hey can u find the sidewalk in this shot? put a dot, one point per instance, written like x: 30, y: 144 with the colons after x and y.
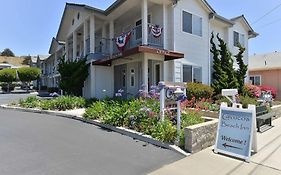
x: 266, y: 161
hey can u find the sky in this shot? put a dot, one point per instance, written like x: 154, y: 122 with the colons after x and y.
x: 27, y: 26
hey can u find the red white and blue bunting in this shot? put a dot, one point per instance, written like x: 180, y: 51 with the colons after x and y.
x: 122, y: 40
x: 156, y: 30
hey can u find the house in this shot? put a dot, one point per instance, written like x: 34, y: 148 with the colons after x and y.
x: 136, y: 43
x: 265, y: 69
x: 39, y: 62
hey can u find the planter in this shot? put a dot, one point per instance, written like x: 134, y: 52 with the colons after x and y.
x: 201, y: 136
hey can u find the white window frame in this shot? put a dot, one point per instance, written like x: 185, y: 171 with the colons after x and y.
x: 255, y: 76
x: 240, y: 41
x: 192, y: 14
x: 192, y: 72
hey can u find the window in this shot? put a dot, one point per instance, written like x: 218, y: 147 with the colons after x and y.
x: 255, y: 80
x: 78, y: 16
x: 238, y: 38
x: 157, y: 73
x: 191, y: 24
x: 132, y: 78
x: 192, y: 74
x: 139, y: 27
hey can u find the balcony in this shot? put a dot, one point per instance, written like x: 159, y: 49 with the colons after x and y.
x: 102, y: 45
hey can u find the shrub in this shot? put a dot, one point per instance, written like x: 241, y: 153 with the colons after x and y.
x: 189, y: 118
x: 198, y: 91
x: 252, y: 91
x: 7, y: 75
x: 246, y: 100
x: 164, y: 131
x: 273, y: 90
x: 96, y: 110
x: 29, y: 102
x: 68, y: 102
x: 6, y: 87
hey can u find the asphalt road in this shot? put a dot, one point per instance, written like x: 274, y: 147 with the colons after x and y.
x: 36, y: 144
x: 8, y: 98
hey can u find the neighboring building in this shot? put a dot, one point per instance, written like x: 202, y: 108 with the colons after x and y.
x: 142, y: 42
x: 38, y: 61
x: 265, y: 69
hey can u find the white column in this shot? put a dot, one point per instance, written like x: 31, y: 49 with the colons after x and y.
x: 145, y: 73
x: 92, y: 34
x: 66, y: 49
x: 111, y: 36
x: 103, y: 40
x: 165, y: 26
x: 74, y: 45
x: 144, y: 22
x: 85, y: 37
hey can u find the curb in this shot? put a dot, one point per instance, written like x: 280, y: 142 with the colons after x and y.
x: 121, y: 130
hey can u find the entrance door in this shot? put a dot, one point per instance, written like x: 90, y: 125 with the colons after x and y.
x: 120, y: 78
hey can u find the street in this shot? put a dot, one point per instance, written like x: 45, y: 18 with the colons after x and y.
x: 32, y: 144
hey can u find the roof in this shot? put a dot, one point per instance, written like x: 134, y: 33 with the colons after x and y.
x: 251, y: 33
x: 265, y: 61
x: 41, y: 57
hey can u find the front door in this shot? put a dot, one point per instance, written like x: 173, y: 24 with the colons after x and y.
x: 120, y: 79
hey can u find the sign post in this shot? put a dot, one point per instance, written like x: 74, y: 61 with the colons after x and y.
x: 236, y: 135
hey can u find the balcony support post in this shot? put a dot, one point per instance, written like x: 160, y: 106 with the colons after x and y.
x: 144, y: 13
x: 103, y: 39
x: 85, y: 28
x: 74, y: 54
x: 111, y: 35
x: 92, y: 34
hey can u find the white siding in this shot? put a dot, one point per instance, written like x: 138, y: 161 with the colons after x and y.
x: 195, y: 48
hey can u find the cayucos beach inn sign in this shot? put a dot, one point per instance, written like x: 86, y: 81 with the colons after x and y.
x: 236, y: 131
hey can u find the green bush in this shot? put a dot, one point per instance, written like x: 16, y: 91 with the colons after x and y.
x: 7, y: 76
x: 199, y: 90
x: 190, y: 118
x: 246, y: 100
x: 96, y: 110
x: 29, y: 102
x: 164, y: 131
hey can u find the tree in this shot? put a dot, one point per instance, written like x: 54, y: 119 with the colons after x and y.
x: 7, y: 52
x: 73, y: 75
x: 224, y: 76
x: 28, y: 74
x: 8, y: 76
x: 242, y: 71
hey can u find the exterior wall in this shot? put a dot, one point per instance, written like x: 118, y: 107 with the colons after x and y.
x: 270, y: 78
x: 195, y: 48
x: 103, y: 78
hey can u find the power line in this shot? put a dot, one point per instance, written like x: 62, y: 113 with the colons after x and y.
x: 270, y: 23
x: 272, y: 10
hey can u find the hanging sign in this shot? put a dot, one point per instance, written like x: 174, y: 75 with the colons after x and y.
x: 236, y: 131
x: 122, y: 40
x: 156, y: 30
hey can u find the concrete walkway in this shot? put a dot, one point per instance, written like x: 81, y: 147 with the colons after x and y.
x: 266, y: 161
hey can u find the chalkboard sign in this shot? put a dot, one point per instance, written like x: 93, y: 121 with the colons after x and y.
x: 235, y: 131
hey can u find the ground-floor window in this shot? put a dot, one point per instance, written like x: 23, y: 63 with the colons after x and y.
x: 255, y: 80
x: 192, y: 74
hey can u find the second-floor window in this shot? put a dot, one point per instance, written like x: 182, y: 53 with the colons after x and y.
x: 238, y: 38
x: 191, y: 23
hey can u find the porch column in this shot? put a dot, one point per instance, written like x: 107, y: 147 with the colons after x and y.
x: 104, y: 40
x: 145, y: 73
x: 165, y: 20
x: 66, y: 49
x: 144, y: 22
x: 85, y: 37
x: 111, y: 36
x: 74, y: 55
x: 92, y: 34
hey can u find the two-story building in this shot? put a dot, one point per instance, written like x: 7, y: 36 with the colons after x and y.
x: 137, y: 43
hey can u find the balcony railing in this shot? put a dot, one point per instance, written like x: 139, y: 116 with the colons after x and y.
x: 102, y: 45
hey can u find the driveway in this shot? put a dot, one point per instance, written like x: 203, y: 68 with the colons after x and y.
x: 35, y: 144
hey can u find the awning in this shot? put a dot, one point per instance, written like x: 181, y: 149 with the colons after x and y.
x: 168, y: 55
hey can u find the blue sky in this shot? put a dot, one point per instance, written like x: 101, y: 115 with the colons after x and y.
x: 27, y: 26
